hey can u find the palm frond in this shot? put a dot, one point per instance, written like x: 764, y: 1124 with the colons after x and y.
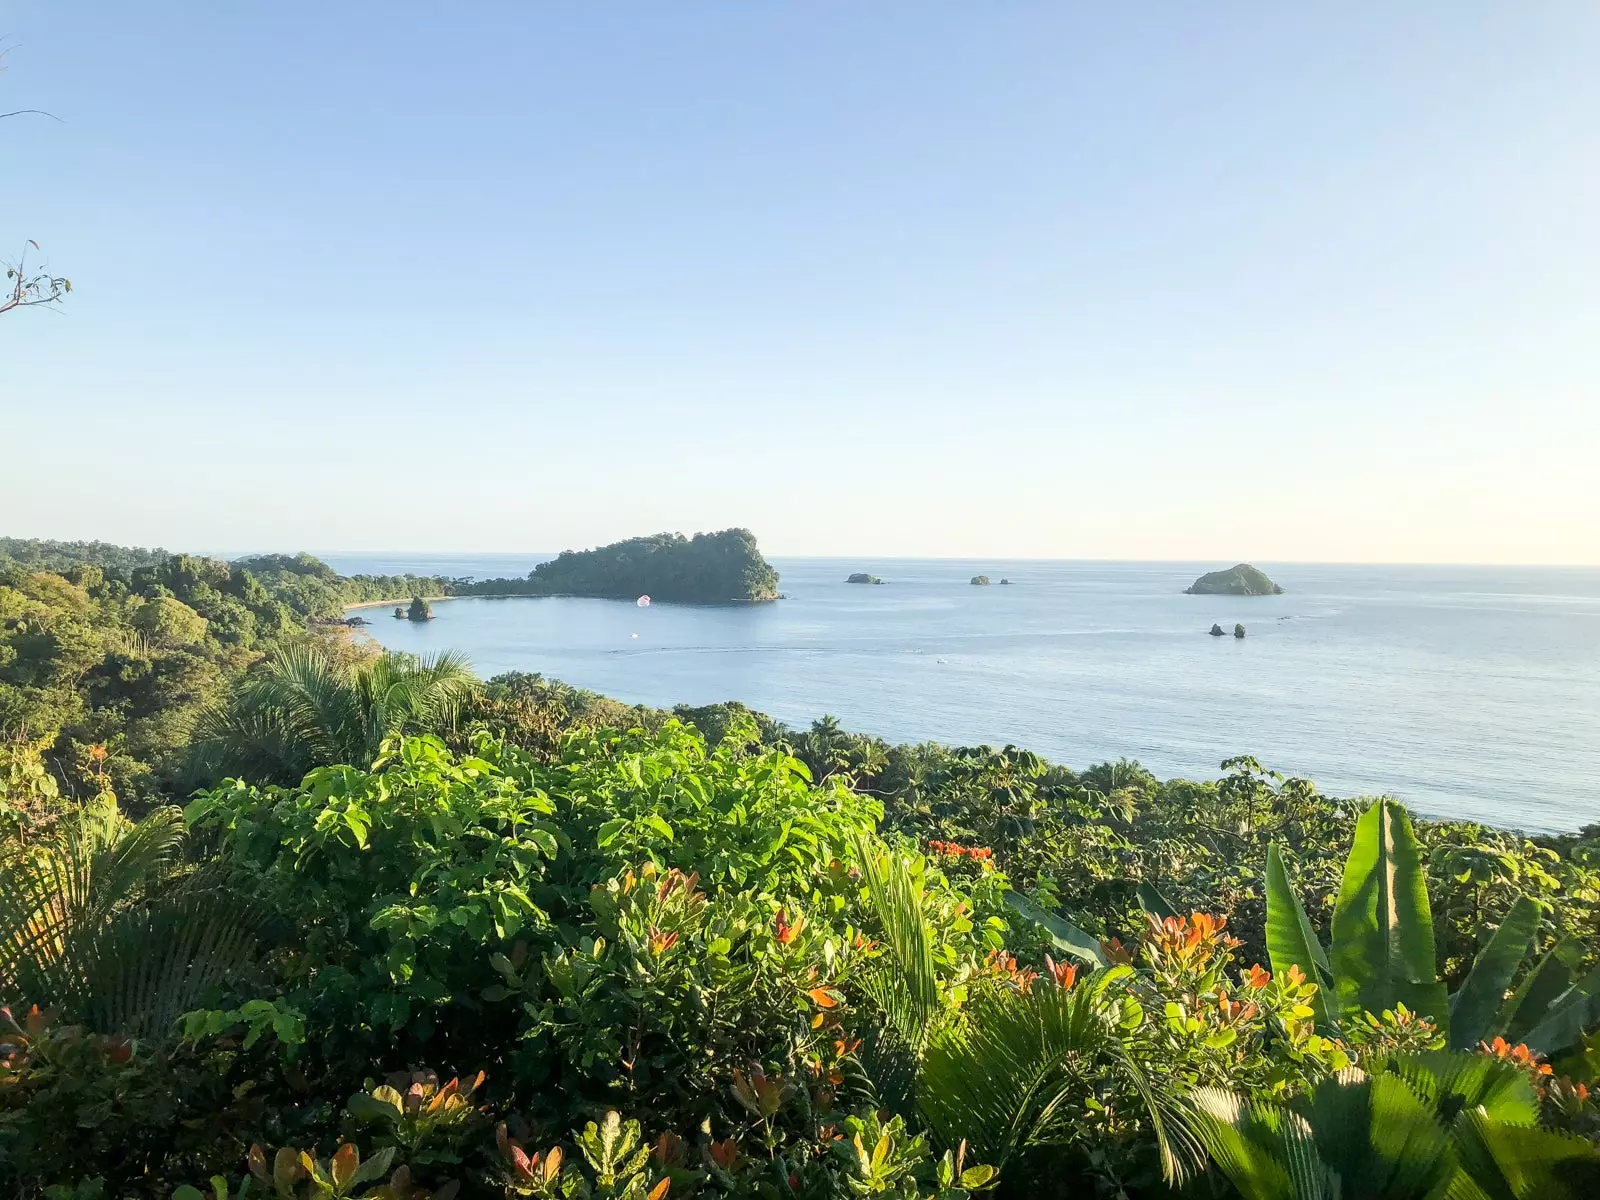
x: 1452, y: 1081
x: 94, y: 922
x: 1267, y: 1152
x: 1524, y: 1161
x: 999, y: 1078
x: 150, y: 965
x: 908, y: 994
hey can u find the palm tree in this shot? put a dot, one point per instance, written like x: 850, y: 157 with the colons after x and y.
x: 102, y: 920
x: 302, y: 709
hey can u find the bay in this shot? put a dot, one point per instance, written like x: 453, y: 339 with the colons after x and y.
x: 1464, y: 691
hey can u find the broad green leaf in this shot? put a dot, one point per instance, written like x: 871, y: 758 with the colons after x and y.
x: 1154, y: 903
x: 1473, y: 1009
x: 660, y: 826
x: 1573, y: 1013
x: 1291, y: 942
x: 1527, y: 1006
x: 1066, y: 936
x: 609, y: 831
x: 1383, y: 951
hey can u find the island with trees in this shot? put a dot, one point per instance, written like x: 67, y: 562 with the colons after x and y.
x: 1241, y: 580
x: 979, y: 581
x: 708, y: 568
x: 863, y: 577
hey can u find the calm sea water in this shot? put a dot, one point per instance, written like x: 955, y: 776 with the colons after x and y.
x: 1465, y: 691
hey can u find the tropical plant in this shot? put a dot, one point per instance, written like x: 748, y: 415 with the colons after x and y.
x: 102, y: 920
x: 1457, y: 1126
x: 304, y: 708
x: 1383, y: 958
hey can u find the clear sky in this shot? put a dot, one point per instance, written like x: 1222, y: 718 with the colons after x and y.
x: 1202, y: 281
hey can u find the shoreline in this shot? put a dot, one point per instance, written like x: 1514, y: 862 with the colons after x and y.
x: 390, y: 603
x: 554, y: 596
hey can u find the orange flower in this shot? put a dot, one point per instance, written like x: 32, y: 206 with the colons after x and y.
x: 1116, y: 952
x: 788, y: 932
x: 660, y: 942
x: 1257, y: 976
x: 1518, y: 1055
x: 1065, y: 974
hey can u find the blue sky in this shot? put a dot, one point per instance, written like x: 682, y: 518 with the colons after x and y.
x: 1129, y: 281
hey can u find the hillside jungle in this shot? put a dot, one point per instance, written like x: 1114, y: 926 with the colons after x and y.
x: 281, y: 914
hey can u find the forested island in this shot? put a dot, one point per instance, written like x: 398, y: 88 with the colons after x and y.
x: 863, y: 577
x: 278, y: 905
x: 1242, y: 580
x: 708, y: 568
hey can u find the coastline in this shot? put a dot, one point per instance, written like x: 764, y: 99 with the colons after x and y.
x: 555, y: 596
x: 390, y: 603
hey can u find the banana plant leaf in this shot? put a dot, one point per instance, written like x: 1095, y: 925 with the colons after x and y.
x: 1474, y: 1008
x: 1291, y: 941
x: 1383, y: 948
x: 1068, y: 938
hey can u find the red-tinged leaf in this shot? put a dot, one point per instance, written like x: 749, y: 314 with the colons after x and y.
x: 822, y: 998
x: 660, y: 1190
x: 345, y: 1161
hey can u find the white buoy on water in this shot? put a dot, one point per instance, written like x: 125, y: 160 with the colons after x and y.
x: 643, y: 601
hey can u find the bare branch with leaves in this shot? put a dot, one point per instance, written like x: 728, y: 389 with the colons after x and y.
x: 27, y: 286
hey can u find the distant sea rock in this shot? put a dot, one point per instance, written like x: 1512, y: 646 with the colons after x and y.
x: 1238, y: 631
x: 863, y: 577
x: 1242, y: 580
x: 1005, y: 583
x: 1216, y: 631
x: 980, y: 581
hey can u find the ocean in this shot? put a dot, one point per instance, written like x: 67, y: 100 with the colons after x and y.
x: 1464, y: 691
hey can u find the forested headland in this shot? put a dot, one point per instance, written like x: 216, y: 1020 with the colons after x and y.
x: 278, y: 906
x: 708, y: 568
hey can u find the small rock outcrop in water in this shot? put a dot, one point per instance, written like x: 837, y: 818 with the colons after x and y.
x: 1238, y: 631
x: 1242, y: 580
x: 980, y: 581
x: 399, y: 613
x: 863, y: 577
x: 1216, y: 631
x: 420, y: 610
x: 1005, y: 583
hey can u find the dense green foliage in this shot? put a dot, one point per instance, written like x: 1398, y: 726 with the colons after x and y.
x: 1241, y: 580
x: 863, y: 577
x: 412, y: 931
x: 126, y: 649
x: 39, y: 554
x: 709, y: 568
